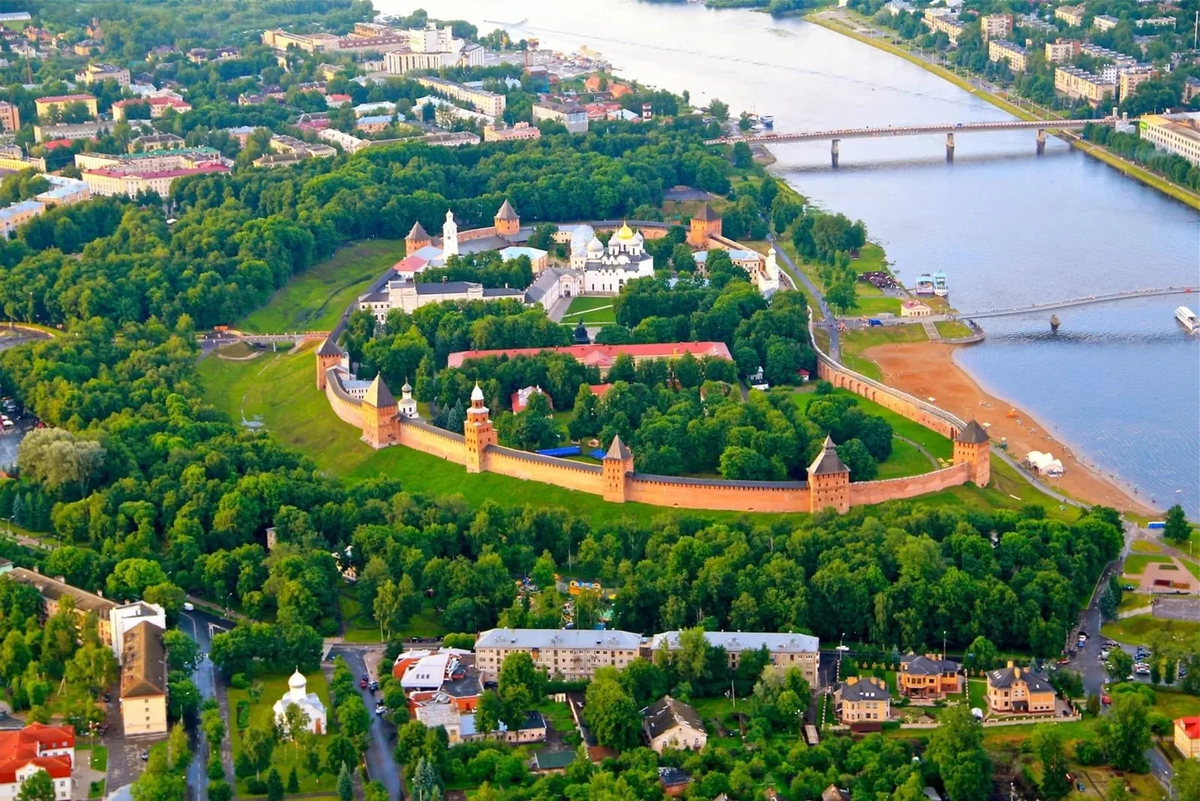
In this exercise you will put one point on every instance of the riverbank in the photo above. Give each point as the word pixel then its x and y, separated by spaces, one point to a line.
pixel 928 370
pixel 826 18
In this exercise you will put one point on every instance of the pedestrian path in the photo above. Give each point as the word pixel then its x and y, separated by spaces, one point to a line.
pixel 931 331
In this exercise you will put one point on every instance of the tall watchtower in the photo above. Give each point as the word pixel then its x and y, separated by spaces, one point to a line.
pixel 507 221
pixel 417 238
pixel 450 235
pixel 704 224
pixel 478 433
pixel 379 423
pixel 828 480
pixel 618 464
pixel 973 446
pixel 328 355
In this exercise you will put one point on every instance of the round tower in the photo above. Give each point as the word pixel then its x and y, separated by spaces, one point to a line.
pixel 507 221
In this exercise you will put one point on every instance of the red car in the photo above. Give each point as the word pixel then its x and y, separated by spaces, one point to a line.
pixel 362 684
pixel 1104 699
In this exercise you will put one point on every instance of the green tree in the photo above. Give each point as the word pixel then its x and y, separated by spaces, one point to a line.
pixel 345 786
pixel 610 711
pixel 293 782
pixel 1177 529
pixel 956 747
pixel 1119 665
pixel 1125 733
pixel 275 789
pixel 1186 782
pixel 1048 744
pixel 38 787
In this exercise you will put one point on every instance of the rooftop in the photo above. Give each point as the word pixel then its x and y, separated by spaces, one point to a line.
pixel 144 672
pixel 603 355
pixel 52 590
pixel 558 638
pixel 1006 677
pixel 667 714
pixel 740 641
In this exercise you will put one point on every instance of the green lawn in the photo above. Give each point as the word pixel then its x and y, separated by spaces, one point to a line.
pixel 1134 630
pixel 315 299
pixel 953 329
pixel 99 758
pixel 558 715
pixel 592 311
pixel 274 685
pixel 1133 600
pixel 906 460
pixel 1141 546
pixel 854 343
pixel 360 626
pixel 1136 563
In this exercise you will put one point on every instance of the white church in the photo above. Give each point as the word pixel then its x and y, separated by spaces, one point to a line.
pixel 299 696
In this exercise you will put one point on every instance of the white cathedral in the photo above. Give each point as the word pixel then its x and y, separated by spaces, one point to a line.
pixel 309 703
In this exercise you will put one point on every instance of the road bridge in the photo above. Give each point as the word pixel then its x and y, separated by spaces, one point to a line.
pixel 1085 301
pixel 950 129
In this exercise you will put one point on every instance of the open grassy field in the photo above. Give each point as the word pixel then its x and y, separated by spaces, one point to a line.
pixel 1136 563
pixel 1134 630
pixel 592 311
pixel 360 627
pixel 1141 546
pixel 315 299
pixel 953 329
pixel 285 757
pixel 855 342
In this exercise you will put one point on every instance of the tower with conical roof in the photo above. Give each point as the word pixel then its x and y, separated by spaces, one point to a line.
pixel 618 465
pixel 828 480
pixel 972 446
pixel 705 223
pixel 328 355
pixel 507 221
pixel 478 433
pixel 417 238
pixel 380 426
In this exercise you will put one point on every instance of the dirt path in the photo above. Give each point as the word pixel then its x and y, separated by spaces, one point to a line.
pixel 929 371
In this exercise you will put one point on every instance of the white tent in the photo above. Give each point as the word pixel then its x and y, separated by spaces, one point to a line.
pixel 1044 463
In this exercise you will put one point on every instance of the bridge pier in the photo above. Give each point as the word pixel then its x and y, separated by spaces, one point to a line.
pixel 1041 141
pixel 950 146
pixel 833 152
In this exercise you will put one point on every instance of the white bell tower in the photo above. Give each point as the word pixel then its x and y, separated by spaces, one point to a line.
pixel 450 235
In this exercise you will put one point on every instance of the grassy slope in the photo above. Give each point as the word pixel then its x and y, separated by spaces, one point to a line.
pixel 855 342
pixel 314 300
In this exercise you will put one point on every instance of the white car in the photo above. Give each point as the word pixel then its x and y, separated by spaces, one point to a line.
pixel 188 606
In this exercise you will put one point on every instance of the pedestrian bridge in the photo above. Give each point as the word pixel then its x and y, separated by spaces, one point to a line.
pixel 835 135
pixel 1086 301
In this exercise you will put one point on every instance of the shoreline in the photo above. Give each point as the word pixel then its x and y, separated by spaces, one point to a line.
pixel 1124 166
pixel 929 370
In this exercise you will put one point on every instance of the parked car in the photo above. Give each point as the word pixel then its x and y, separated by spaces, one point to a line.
pixel 373 686
pixel 1105 699
pixel 380 709
pixel 188 606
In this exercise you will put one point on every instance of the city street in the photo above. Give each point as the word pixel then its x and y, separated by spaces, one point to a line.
pixel 200 626
pixel 381 761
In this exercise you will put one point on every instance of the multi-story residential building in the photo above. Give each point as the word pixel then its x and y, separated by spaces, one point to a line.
pixel 144 680
pixel 290 145
pixel 522 130
pixel 10 116
pixel 1072 15
pixel 1004 50
pixel 481 100
pixel 787 650
pixel 63 191
pixel 573 116
pixel 13 158
pixel 1061 50
pixel 37 747
pixel 1075 82
pixel 571 653
pixel 995 26
pixel 948 24
pixel 1117 59
pixel 149 142
pixel 928 676
pixel 373 125
pixel 46 105
pixel 1105 22
pixel 11 217
pixel 52 591
pixel 1016 690
pixel 862 700
pixel 136 180
pixel 1157 22
pixel 351 144
pixel 83 130
pixel 1187 736
pixel 308 42
pixel 180 158
pixel 102 72
pixel 1130 79
pixel 1191 88
pixel 1174 133
pixel 158 106
pixel 451 139
pixel 1034 22
pixel 127 617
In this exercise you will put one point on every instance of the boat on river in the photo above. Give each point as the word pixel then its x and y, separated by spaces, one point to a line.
pixel 767 121
pixel 1187 318
pixel 940 288
pixel 924 285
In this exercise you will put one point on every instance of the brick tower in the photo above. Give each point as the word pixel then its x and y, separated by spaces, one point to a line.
pixel 828 480
pixel 972 445
pixel 478 433
pixel 379 423
pixel 618 464
pixel 507 221
pixel 328 355
pixel 704 224
pixel 416 239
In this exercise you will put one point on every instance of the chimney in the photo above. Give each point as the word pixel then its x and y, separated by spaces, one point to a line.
pixel 1016 673
pixel 850 680
pixel 1010 663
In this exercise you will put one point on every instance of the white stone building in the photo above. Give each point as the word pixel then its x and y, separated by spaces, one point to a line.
pixel 298 695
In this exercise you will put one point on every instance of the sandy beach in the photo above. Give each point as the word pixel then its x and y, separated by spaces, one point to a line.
pixel 929 371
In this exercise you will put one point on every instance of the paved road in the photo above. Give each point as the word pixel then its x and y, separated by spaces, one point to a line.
pixel 197 625
pixel 830 322
pixel 381 760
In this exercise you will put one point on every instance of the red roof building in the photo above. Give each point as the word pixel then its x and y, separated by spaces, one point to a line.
pixel 33 748
pixel 603 356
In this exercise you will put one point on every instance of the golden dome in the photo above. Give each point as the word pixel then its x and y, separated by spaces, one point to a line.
pixel 624 232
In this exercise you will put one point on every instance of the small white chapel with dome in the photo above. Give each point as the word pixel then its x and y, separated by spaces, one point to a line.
pixel 309 703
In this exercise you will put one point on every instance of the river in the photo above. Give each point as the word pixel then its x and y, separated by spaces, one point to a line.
pixel 1120 382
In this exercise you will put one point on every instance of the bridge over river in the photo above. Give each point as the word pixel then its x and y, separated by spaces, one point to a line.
pixel 1086 301
pixel 835 135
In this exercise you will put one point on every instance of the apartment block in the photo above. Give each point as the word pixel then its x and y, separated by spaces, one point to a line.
pixel 1003 50
pixel 102 72
pixel 1105 22
pixel 1174 133
pixel 10 116
pixel 481 100
pixel 1130 79
pixel 1061 50
pixel 522 130
pixel 1072 15
pixel 1075 82
pixel 996 26
pixel 570 653
pixel 45 105
pixel 572 116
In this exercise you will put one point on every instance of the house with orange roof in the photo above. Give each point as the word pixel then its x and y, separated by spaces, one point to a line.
pixel 34 748
pixel 1187 736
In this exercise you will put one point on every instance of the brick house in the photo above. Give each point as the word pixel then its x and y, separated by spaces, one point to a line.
pixel 861 699
pixel 927 676
pixel 1016 690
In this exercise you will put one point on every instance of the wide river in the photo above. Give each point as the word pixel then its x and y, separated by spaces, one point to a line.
pixel 1120 382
